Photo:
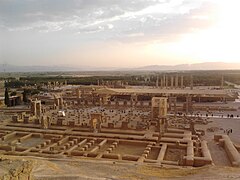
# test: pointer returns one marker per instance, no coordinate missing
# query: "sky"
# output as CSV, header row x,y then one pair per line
x,y
118,33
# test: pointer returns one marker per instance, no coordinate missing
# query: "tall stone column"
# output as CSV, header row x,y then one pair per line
x,y
176,81
157,81
182,82
166,81
172,82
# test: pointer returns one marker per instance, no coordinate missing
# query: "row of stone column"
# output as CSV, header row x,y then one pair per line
x,y
174,82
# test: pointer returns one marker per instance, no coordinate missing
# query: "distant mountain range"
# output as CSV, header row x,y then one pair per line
x,y
197,66
13,68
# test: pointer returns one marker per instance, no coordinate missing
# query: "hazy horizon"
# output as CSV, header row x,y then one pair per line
x,y
113,33
179,67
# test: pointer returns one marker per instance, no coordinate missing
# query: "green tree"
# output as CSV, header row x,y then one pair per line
x,y
6,100
25,94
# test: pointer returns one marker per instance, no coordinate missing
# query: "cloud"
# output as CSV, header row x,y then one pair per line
x,y
17,13
168,26
110,19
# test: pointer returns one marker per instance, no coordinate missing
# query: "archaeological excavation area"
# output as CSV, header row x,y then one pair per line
x,y
156,128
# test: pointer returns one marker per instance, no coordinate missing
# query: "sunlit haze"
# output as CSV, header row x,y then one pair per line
x,y
118,33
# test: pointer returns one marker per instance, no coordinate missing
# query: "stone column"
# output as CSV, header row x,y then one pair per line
x,y
157,81
176,81
33,108
182,82
172,82
166,81
38,108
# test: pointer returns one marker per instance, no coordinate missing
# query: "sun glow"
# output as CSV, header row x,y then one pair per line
x,y
220,42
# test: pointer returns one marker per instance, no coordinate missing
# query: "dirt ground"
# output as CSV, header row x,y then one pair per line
x,y
43,169
220,126
84,169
